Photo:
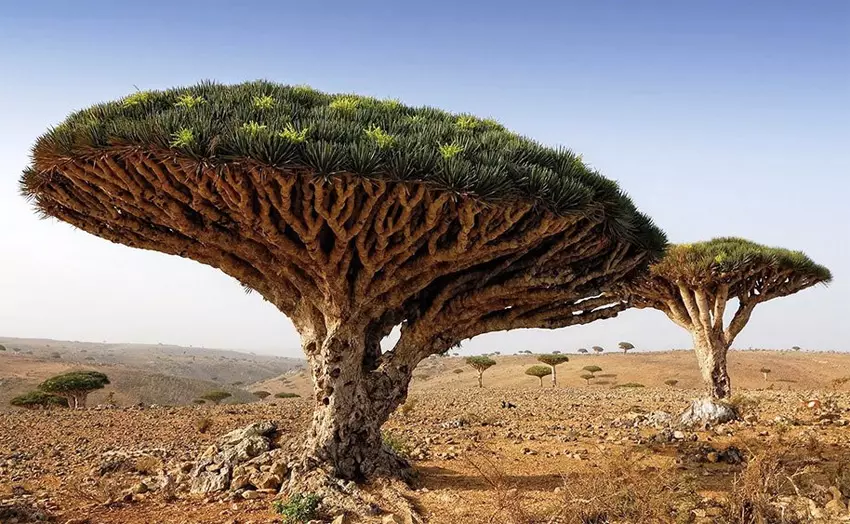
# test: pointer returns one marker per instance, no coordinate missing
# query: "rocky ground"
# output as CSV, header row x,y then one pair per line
x,y
557,456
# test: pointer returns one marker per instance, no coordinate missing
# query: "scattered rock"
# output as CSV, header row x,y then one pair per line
x,y
705,412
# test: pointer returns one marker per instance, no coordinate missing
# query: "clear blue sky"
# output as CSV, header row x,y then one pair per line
x,y
719,118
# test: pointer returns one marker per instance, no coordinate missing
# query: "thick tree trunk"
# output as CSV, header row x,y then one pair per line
x,y
711,356
480,379
351,405
554,377
541,381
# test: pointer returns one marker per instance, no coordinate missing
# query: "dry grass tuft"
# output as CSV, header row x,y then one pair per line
x,y
203,424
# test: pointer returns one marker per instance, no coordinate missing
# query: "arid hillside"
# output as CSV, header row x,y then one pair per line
x,y
150,374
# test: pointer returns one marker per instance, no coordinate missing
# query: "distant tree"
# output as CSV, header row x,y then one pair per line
x,y
693,284
671,382
592,369
237,383
796,348
286,394
556,352
38,400
539,372
553,360
199,401
216,396
74,386
626,346
598,349
481,364
765,372
2,347
56,354
455,354
583,351
588,377
261,394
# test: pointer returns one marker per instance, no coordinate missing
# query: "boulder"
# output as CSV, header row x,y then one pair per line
x,y
229,458
707,412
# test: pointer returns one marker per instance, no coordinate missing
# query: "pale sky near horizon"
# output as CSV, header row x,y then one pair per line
x,y
720,118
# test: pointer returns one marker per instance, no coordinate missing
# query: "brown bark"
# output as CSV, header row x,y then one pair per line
x,y
480,378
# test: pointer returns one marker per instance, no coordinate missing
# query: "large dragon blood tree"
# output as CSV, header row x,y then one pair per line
x,y
352,216
693,283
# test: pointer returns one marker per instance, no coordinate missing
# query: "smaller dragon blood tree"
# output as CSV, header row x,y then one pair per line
x,y
552,361
693,283
74,386
481,364
539,372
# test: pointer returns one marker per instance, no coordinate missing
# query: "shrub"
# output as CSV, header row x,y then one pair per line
x,y
396,443
588,377
299,508
216,396
37,400
202,424
457,371
56,354
671,382
261,394
408,407
2,347
286,394
631,385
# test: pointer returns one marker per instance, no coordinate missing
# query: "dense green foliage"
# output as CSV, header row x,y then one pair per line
x,y
626,346
592,369
539,371
286,394
299,508
297,126
74,381
723,258
480,363
553,359
38,399
216,396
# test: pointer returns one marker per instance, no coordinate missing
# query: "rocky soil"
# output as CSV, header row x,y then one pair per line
x,y
498,455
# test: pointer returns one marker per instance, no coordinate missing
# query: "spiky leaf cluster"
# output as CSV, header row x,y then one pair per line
x,y
539,371
726,260
74,381
299,127
481,363
553,359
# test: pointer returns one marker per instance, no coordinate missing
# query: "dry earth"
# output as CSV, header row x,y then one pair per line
x,y
577,453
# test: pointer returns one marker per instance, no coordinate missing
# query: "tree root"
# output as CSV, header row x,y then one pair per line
x,y
387,492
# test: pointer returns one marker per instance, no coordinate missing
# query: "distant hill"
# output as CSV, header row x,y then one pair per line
x,y
152,374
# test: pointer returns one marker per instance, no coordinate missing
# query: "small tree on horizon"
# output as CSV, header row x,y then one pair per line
x,y
626,346
765,372
553,360
216,396
693,283
598,349
795,348
583,351
539,372
671,382
481,364
75,386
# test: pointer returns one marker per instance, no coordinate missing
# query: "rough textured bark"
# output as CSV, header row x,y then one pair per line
x,y
554,377
711,356
349,259
480,378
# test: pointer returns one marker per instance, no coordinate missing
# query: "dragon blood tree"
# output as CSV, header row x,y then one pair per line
x,y
352,216
693,283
